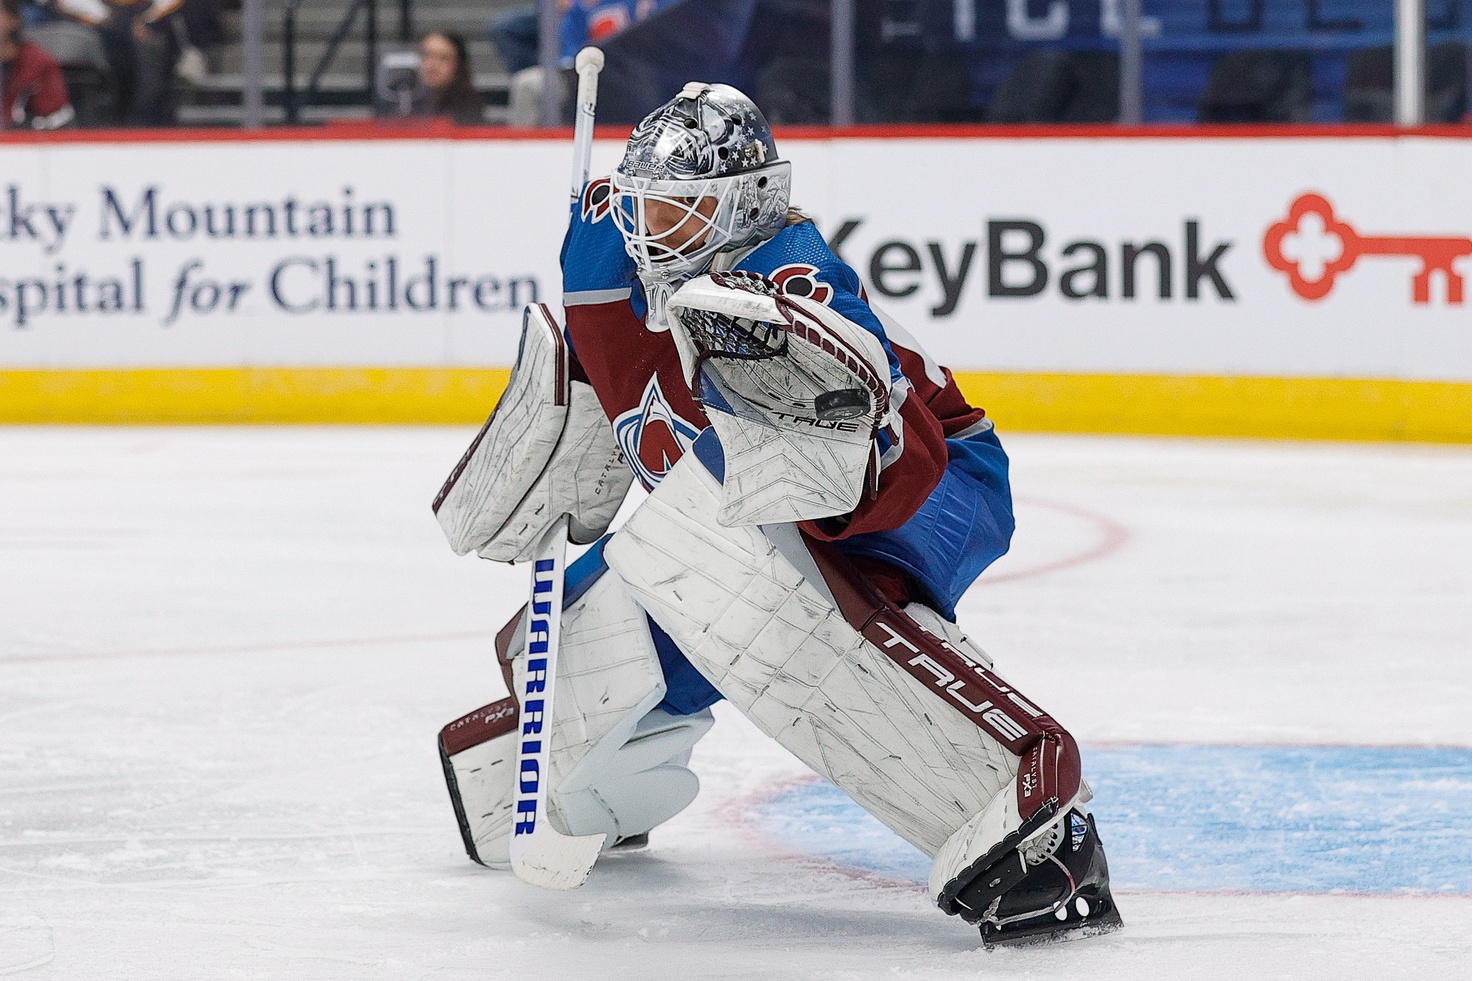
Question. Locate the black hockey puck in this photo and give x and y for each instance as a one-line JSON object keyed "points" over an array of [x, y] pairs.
{"points": [[844, 403]]}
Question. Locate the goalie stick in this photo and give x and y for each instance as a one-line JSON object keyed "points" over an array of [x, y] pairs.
{"points": [[540, 855]]}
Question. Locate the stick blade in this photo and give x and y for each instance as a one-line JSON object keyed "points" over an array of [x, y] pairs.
{"points": [[556, 861]]}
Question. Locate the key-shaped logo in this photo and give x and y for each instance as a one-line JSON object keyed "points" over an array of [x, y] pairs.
{"points": [[1313, 246]]}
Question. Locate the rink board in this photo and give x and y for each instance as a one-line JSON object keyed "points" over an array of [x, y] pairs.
{"points": [[1297, 282], [1185, 405]]}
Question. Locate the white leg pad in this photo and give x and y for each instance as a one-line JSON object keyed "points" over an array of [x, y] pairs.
{"points": [[618, 763], [897, 708], [775, 646]]}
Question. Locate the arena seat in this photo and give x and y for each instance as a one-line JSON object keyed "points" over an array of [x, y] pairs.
{"points": [[1369, 84], [1059, 87], [1258, 86], [78, 50]]}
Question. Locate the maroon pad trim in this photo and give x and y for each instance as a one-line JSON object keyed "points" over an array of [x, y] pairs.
{"points": [[449, 485], [482, 725], [504, 653], [1049, 768]]}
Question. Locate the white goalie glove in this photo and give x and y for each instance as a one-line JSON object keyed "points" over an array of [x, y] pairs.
{"points": [[795, 391]]}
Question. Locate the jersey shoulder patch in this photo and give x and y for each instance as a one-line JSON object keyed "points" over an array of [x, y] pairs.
{"points": [[800, 262], [593, 256], [596, 200], [802, 279]]}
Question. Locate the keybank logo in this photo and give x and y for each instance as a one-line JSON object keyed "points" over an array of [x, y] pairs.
{"points": [[1023, 260], [1313, 247]]}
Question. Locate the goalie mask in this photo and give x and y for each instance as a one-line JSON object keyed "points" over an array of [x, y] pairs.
{"points": [[700, 176]]}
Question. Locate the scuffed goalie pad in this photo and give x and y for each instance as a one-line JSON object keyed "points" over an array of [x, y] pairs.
{"points": [[545, 451], [478, 753], [608, 680], [778, 649]]}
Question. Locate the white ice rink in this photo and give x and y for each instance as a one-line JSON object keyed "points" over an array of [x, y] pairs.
{"points": [[225, 654]]}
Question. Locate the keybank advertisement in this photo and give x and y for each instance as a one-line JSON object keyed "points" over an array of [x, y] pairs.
{"points": [[1280, 257]]}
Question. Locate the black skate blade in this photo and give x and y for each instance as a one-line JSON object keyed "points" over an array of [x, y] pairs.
{"points": [[1054, 932], [632, 843]]}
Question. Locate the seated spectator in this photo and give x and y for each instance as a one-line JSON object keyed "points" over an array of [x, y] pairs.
{"points": [[142, 51], [34, 93], [444, 87]]}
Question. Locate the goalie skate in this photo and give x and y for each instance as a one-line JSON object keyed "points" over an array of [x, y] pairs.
{"points": [[1053, 887]]}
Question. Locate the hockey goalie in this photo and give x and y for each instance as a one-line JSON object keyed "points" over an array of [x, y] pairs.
{"points": [[820, 496]]}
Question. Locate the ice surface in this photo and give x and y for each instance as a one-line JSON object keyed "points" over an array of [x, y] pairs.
{"points": [[225, 653], [1347, 819]]}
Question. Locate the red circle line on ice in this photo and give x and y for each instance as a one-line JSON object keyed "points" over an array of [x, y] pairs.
{"points": [[1112, 536]]}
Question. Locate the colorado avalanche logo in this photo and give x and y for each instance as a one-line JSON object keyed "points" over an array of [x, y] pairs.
{"points": [[652, 436], [597, 197], [801, 279]]}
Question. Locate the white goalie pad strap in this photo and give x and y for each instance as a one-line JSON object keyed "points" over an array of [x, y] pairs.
{"points": [[797, 423], [783, 653], [546, 450], [617, 763]]}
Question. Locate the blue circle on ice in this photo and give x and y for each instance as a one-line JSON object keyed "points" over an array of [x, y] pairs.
{"points": [[1221, 818]]}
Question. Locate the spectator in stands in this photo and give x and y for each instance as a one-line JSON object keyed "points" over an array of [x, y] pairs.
{"points": [[205, 31], [514, 34], [33, 93], [445, 86], [142, 51]]}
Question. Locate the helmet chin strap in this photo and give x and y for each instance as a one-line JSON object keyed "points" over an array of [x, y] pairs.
{"points": [[658, 296]]}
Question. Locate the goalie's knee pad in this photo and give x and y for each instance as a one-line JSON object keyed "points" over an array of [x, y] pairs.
{"points": [[896, 708], [618, 762]]}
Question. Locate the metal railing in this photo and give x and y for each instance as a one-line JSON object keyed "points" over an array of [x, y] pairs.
{"points": [[294, 99]]}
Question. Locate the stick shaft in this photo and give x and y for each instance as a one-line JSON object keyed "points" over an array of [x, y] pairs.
{"points": [[587, 107], [543, 633]]}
